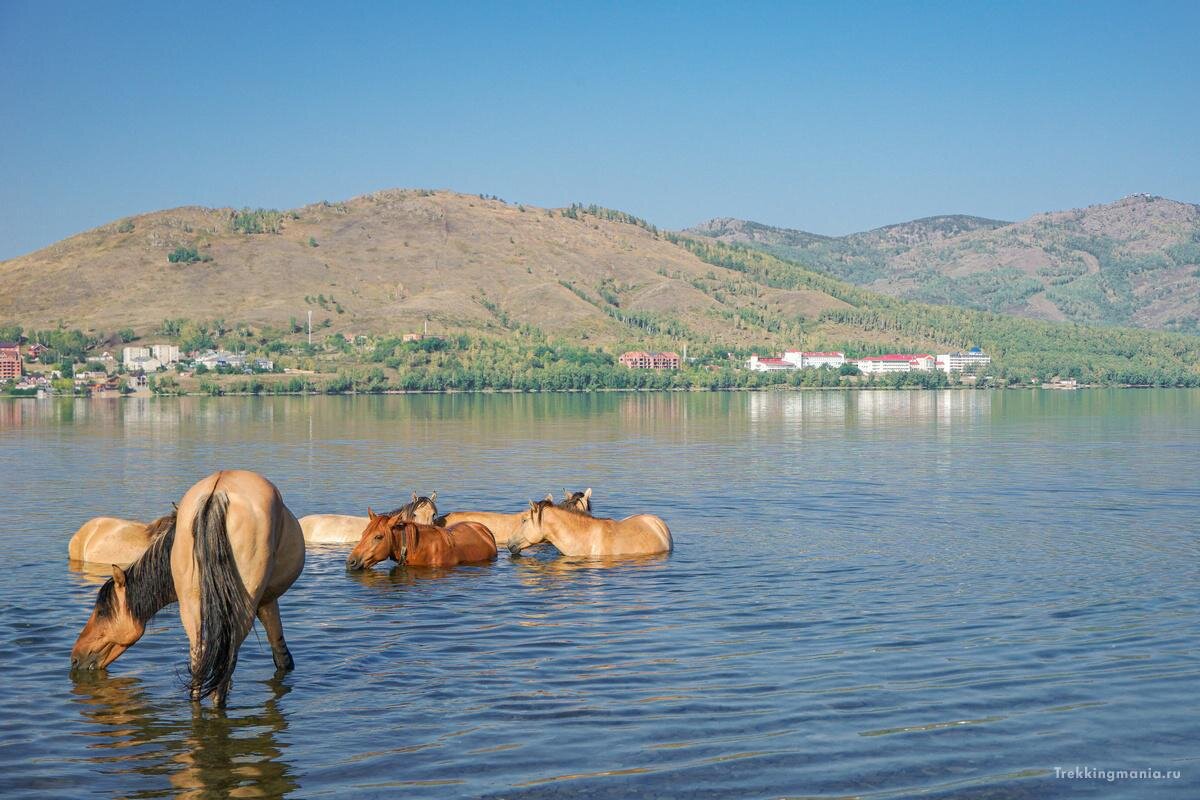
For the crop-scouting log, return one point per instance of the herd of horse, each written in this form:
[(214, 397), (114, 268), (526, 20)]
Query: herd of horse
[(230, 548)]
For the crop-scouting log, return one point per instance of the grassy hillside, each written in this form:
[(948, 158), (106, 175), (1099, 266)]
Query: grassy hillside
[(521, 297), (1133, 262)]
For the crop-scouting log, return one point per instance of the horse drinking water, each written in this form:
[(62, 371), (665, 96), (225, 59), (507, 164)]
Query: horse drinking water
[(413, 544), (235, 549)]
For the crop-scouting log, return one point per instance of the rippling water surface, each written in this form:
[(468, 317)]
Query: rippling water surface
[(944, 594)]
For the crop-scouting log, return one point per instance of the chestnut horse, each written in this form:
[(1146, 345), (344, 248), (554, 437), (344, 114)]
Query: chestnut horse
[(413, 544), (576, 534), (108, 540), (233, 551), (347, 529), (503, 525)]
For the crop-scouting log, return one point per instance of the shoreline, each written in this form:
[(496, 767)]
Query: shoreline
[(621, 390)]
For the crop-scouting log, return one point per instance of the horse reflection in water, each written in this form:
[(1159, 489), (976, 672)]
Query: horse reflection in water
[(214, 754)]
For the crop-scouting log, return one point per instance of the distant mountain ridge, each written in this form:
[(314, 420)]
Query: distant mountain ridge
[(1132, 262)]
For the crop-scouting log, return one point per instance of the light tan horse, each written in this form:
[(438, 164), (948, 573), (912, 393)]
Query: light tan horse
[(348, 529), (234, 550), (109, 540), (503, 525), (576, 534)]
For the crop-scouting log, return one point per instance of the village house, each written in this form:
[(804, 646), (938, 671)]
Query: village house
[(757, 363), (895, 362), (36, 349), (12, 366), (641, 359)]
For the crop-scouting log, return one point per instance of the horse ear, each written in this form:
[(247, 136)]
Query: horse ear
[(587, 493), (549, 497), (414, 496), (433, 497), (371, 515), (566, 494), (118, 576), (532, 505), (396, 520)]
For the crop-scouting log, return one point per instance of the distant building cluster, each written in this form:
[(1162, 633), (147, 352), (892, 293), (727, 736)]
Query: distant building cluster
[(969, 361), (640, 359)]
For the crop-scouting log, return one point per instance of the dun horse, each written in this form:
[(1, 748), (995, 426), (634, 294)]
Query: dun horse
[(576, 534), (413, 544), (233, 551), (347, 529), (108, 540), (503, 525)]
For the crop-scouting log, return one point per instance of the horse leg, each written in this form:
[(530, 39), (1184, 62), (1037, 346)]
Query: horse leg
[(189, 615), (268, 615)]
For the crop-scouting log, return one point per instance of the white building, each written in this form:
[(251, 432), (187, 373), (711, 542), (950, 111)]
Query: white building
[(166, 353), (970, 361), (221, 358), (757, 364), (805, 360), (130, 354), (895, 362), (148, 364)]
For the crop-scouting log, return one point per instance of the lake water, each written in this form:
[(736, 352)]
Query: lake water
[(873, 594)]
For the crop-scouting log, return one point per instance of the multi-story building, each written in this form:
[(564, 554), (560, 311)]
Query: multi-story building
[(165, 353), (805, 360), (641, 359), (132, 354), (969, 361), (11, 364), (895, 362)]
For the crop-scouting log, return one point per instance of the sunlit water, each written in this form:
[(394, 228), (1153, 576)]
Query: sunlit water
[(873, 594)]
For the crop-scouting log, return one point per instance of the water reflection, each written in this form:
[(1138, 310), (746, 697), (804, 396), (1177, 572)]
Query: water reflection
[(204, 754)]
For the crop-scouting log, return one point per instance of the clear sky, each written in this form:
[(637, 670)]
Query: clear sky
[(827, 117)]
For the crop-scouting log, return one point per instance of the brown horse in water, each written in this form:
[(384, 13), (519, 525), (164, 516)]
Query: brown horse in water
[(576, 534), (503, 525), (416, 545), (347, 529), (233, 551), (108, 540)]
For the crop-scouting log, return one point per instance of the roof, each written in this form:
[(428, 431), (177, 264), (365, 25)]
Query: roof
[(8, 345), (775, 362), (896, 357)]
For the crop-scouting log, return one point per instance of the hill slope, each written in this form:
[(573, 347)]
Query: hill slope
[(1132, 262), (385, 263)]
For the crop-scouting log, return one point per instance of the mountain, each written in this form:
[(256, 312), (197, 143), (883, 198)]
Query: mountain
[(1132, 262), (529, 286), (385, 263)]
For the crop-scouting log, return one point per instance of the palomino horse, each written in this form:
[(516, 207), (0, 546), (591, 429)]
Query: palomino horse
[(233, 551), (417, 545), (576, 534), (108, 540), (347, 529), (503, 525)]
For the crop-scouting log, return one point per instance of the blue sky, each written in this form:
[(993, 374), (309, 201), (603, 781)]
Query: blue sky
[(828, 117)]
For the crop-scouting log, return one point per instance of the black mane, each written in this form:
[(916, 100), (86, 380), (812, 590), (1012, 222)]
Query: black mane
[(148, 582)]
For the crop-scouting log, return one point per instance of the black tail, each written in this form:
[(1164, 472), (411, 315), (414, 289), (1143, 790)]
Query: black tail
[(225, 612)]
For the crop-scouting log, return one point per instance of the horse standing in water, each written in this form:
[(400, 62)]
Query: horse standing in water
[(416, 545), (347, 529), (233, 551), (576, 534), (108, 540), (503, 525)]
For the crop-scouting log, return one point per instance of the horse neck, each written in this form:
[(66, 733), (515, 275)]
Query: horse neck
[(150, 585)]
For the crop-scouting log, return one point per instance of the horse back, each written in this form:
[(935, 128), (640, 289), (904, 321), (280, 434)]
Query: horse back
[(474, 540), (109, 540)]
